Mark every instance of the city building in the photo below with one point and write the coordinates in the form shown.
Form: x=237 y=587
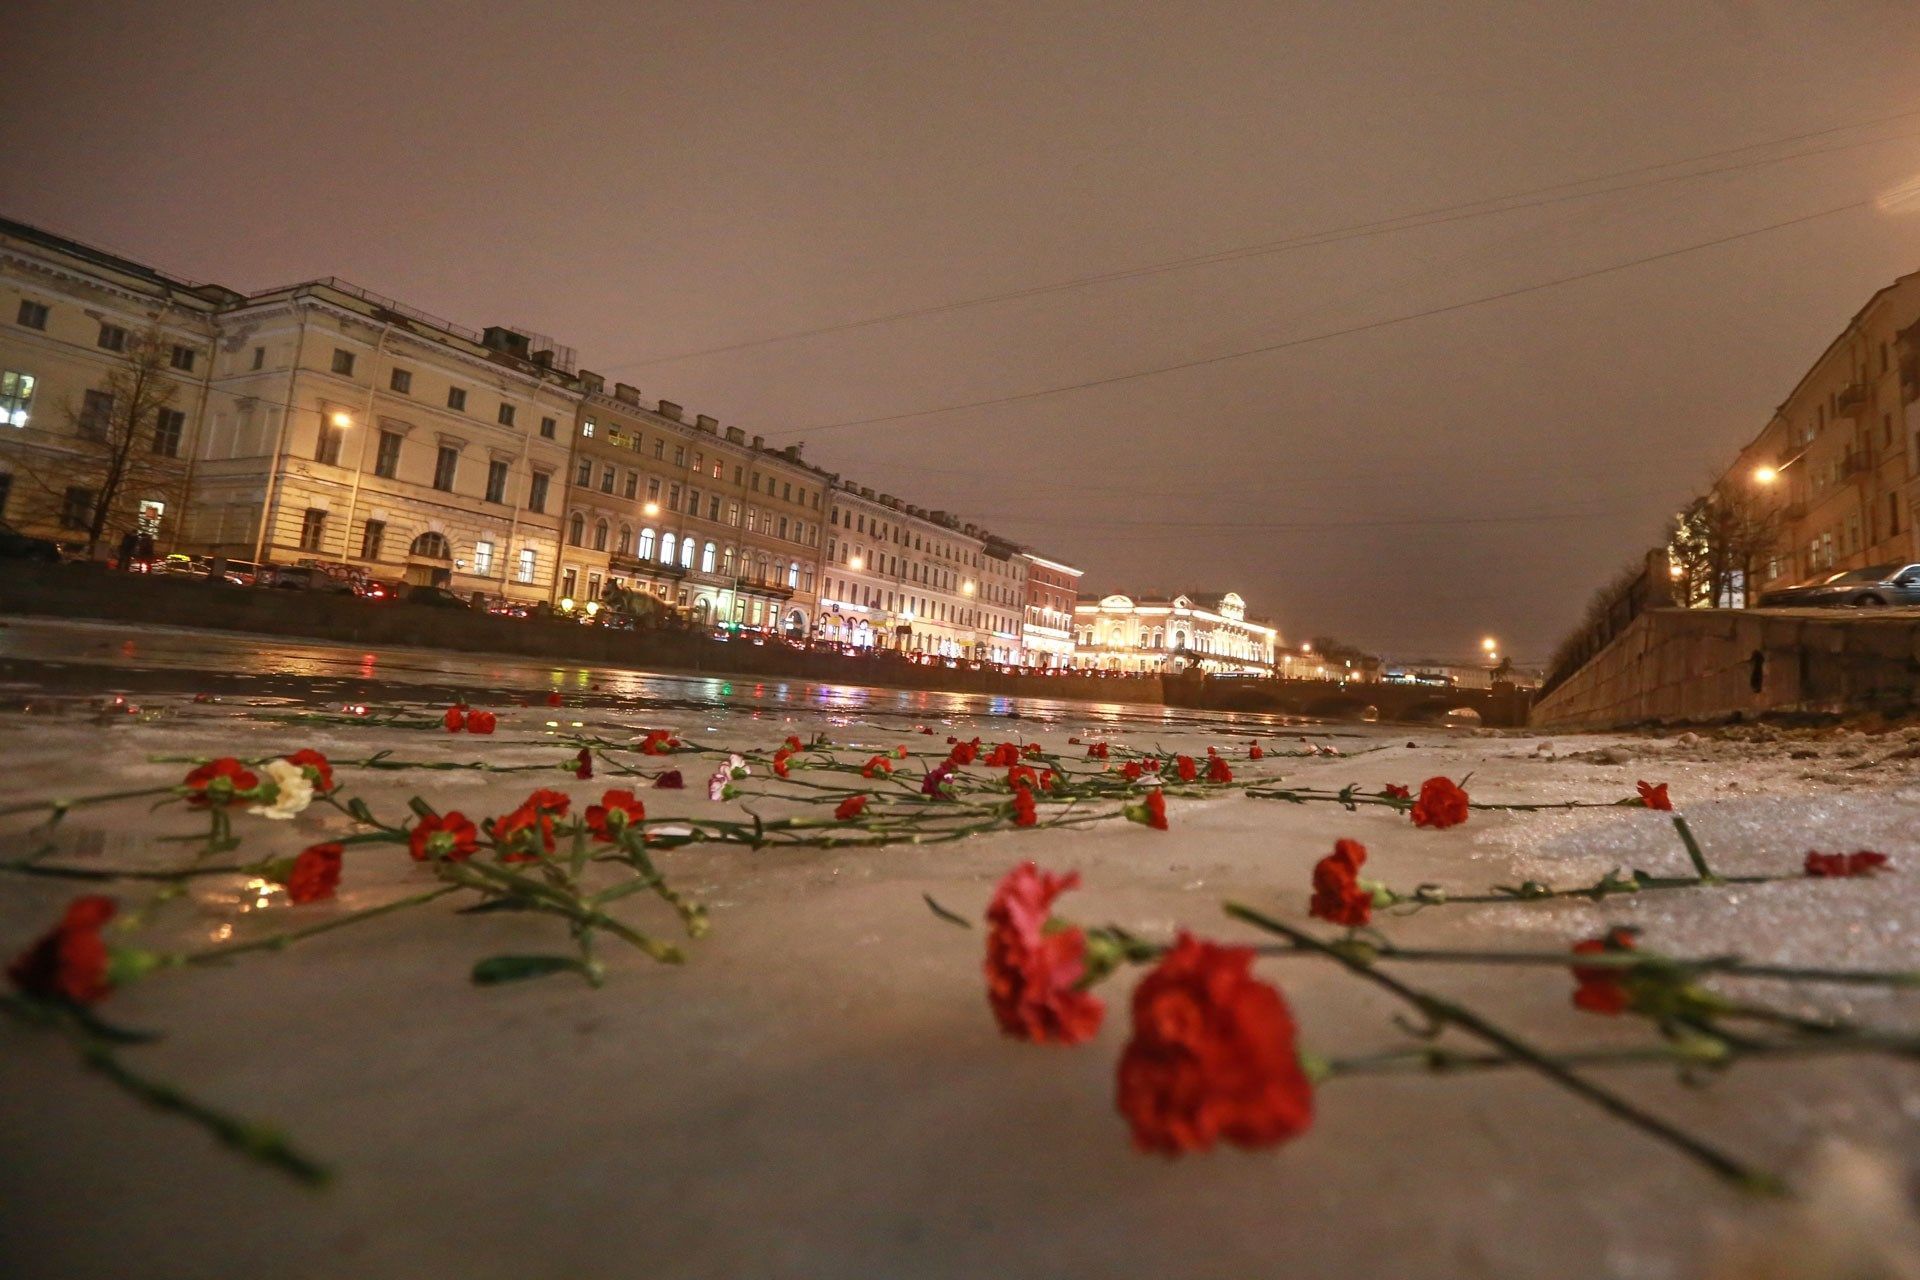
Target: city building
x=1832 y=475
x=717 y=527
x=1165 y=634
x=1000 y=628
x=900 y=577
x=104 y=368
x=348 y=429
x=1046 y=628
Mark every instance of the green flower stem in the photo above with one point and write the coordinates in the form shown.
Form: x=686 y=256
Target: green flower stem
x=1606 y=887
x=81 y=802
x=1702 y=1052
x=27 y=867
x=497 y=881
x=1694 y=854
x=281 y=941
x=1443 y=1012
x=256 y=1141
x=1303 y=795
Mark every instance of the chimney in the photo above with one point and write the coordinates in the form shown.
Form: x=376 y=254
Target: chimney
x=626 y=394
x=543 y=359
x=709 y=425
x=759 y=442
x=668 y=409
x=592 y=382
x=735 y=435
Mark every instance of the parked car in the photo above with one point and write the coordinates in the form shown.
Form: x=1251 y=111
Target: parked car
x=436 y=598
x=15 y=545
x=1872 y=587
x=303 y=578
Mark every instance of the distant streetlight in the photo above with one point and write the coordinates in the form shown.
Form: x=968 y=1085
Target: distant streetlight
x=1765 y=475
x=1488 y=644
x=966 y=587
x=342 y=420
x=651 y=509
x=858 y=563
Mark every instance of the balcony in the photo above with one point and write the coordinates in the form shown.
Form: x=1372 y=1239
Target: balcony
x=1852 y=399
x=1857 y=463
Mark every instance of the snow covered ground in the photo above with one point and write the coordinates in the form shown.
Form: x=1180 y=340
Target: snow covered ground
x=820 y=1090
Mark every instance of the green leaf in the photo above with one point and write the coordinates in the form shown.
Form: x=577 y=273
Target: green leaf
x=951 y=917
x=498 y=969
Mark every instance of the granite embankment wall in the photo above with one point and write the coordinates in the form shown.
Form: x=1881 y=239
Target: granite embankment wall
x=1702 y=665
x=71 y=591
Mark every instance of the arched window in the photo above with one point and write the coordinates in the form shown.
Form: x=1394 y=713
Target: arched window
x=646 y=545
x=686 y=552
x=760 y=569
x=706 y=558
x=626 y=539
x=726 y=562
x=1159 y=637
x=577 y=529
x=600 y=535
x=431 y=546
x=668 y=544
x=793 y=574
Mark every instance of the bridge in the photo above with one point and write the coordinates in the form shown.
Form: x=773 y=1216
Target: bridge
x=1502 y=706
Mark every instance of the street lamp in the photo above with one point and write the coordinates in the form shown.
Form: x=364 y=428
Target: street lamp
x=1765 y=475
x=342 y=420
x=857 y=564
x=1488 y=644
x=650 y=509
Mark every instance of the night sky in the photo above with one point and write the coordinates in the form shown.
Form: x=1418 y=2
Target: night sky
x=646 y=182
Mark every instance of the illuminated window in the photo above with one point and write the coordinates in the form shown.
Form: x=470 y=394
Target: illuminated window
x=483 y=558
x=645 y=548
x=707 y=558
x=16 y=398
x=528 y=560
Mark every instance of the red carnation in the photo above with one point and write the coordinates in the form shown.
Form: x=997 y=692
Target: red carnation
x=317 y=768
x=455 y=719
x=877 y=767
x=616 y=809
x=1846 y=864
x=793 y=742
x=1022 y=775
x=1024 y=812
x=1602 y=990
x=850 y=808
x=1337 y=895
x=219 y=783
x=1152 y=810
x=1394 y=791
x=780 y=765
x=1131 y=771
x=315 y=873
x=1003 y=755
x=1254 y=752
x=554 y=699
x=1441 y=804
x=1035 y=964
x=671 y=781
x=1186 y=768
x=448 y=836
x=1654 y=797
x=1218 y=770
x=1212 y=1056
x=1096 y=751
x=964 y=752
x=71 y=961
x=481 y=721
x=583 y=764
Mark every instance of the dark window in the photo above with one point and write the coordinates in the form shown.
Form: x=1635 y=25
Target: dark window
x=606 y=479
x=457 y=398
x=332 y=436
x=182 y=358
x=6 y=490
x=33 y=315
x=713 y=507
x=312 y=529
x=401 y=380
x=167 y=426
x=496 y=482
x=113 y=337
x=506 y=415
x=537 y=492
x=548 y=427
x=96 y=411
x=583 y=475
x=577 y=529
x=633 y=484
x=386 y=462
x=76 y=508
x=259 y=356
x=372 y=534
x=343 y=362
x=443 y=467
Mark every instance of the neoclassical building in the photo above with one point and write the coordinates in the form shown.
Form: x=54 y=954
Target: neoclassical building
x=710 y=523
x=1154 y=634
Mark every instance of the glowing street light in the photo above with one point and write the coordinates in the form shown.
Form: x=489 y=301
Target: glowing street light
x=858 y=564
x=1489 y=644
x=342 y=420
x=1765 y=475
x=651 y=509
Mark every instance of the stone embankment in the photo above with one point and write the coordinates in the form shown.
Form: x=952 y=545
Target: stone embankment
x=1675 y=666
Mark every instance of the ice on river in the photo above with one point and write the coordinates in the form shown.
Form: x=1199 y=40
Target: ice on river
x=820 y=1091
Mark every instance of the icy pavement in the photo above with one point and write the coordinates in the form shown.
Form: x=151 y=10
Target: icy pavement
x=820 y=1091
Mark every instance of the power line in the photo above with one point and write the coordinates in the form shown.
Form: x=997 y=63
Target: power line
x=1436 y=216
x=1398 y=522
x=1330 y=334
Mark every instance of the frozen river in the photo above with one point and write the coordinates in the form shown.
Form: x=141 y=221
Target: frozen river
x=820 y=1090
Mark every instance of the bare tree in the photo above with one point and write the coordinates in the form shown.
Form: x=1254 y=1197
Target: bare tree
x=123 y=447
x=1715 y=542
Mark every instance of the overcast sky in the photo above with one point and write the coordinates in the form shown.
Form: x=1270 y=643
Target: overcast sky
x=647 y=180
